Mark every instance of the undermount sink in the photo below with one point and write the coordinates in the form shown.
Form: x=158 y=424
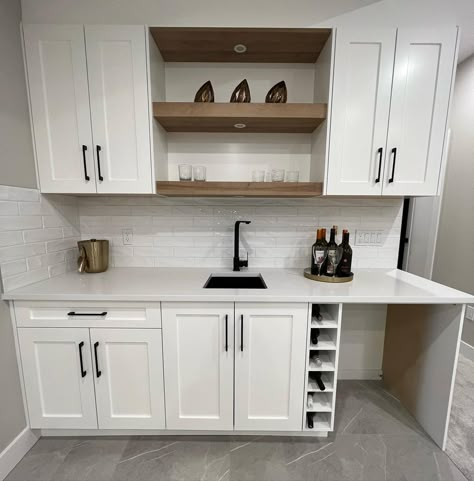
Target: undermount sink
x=235 y=281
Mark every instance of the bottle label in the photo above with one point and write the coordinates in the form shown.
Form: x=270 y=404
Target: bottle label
x=319 y=255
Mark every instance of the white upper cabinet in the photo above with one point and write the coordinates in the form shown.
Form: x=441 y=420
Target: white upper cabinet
x=59 y=99
x=59 y=382
x=90 y=108
x=117 y=66
x=198 y=354
x=389 y=111
x=128 y=370
x=269 y=366
x=360 y=111
x=422 y=78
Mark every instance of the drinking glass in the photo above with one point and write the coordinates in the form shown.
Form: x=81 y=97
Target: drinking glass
x=337 y=259
x=258 y=176
x=319 y=258
x=293 y=176
x=199 y=173
x=185 y=172
x=278 y=175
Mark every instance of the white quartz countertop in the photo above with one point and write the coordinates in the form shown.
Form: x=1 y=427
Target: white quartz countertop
x=283 y=285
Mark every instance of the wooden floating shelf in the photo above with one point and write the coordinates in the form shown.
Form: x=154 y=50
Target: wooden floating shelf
x=222 y=117
x=264 y=45
x=240 y=189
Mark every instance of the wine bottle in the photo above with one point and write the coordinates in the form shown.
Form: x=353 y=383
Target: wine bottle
x=345 y=264
x=316 y=312
x=318 y=253
x=332 y=254
x=310 y=402
x=324 y=243
x=315 y=332
x=309 y=417
x=316 y=359
x=319 y=381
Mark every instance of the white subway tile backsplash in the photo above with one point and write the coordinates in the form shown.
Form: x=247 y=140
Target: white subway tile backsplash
x=29 y=224
x=61 y=244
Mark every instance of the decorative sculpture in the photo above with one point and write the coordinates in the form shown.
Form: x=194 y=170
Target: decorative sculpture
x=277 y=94
x=241 y=93
x=205 y=93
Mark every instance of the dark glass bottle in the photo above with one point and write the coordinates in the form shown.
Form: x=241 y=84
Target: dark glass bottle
x=332 y=254
x=309 y=417
x=324 y=242
x=319 y=381
x=318 y=253
x=345 y=264
x=314 y=336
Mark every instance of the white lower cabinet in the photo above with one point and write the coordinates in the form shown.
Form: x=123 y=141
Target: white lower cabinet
x=202 y=350
x=80 y=378
x=269 y=366
x=59 y=390
x=128 y=378
x=198 y=348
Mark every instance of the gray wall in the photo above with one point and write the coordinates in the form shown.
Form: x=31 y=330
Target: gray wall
x=454 y=258
x=16 y=154
x=16 y=168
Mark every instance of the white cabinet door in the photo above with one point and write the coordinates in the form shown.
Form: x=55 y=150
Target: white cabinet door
x=59 y=98
x=128 y=369
x=198 y=347
x=117 y=66
x=269 y=366
x=59 y=390
x=423 y=73
x=360 y=110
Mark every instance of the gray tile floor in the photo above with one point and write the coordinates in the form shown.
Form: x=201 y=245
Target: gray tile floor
x=374 y=440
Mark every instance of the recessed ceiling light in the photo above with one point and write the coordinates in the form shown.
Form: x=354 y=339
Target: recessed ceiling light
x=240 y=126
x=240 y=48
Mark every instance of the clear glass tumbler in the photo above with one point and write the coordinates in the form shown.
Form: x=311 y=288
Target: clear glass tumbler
x=185 y=172
x=278 y=175
x=199 y=173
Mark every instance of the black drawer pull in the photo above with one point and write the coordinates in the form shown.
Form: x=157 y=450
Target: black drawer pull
x=226 y=333
x=380 y=154
x=98 y=150
x=86 y=176
x=83 y=371
x=241 y=332
x=394 y=154
x=98 y=372
x=97 y=314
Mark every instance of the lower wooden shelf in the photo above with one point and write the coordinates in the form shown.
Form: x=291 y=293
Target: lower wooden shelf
x=240 y=189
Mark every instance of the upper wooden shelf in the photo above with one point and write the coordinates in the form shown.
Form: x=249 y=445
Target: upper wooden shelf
x=239 y=189
x=264 y=45
x=222 y=117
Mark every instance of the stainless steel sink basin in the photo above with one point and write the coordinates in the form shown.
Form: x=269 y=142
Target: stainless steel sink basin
x=235 y=281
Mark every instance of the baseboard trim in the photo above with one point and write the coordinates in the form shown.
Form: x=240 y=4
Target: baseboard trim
x=16 y=450
x=360 y=374
x=467 y=350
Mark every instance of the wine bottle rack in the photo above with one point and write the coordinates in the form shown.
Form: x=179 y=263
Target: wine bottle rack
x=323 y=403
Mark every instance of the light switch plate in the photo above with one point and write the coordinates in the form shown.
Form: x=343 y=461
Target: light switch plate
x=470 y=313
x=369 y=237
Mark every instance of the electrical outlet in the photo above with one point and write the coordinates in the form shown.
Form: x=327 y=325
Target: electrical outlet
x=127 y=237
x=470 y=313
x=368 y=237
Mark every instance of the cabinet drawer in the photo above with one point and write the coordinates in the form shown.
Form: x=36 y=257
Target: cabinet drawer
x=87 y=314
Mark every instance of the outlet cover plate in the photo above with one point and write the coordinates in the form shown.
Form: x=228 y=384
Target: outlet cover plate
x=373 y=237
x=127 y=237
x=470 y=313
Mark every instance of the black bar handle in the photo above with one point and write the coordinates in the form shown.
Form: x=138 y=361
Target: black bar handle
x=98 y=372
x=394 y=153
x=99 y=314
x=98 y=150
x=83 y=371
x=226 y=333
x=84 y=149
x=380 y=154
x=241 y=332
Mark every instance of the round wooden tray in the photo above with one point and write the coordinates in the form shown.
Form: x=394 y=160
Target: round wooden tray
x=334 y=280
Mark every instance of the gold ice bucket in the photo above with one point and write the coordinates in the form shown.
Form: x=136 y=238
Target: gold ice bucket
x=93 y=255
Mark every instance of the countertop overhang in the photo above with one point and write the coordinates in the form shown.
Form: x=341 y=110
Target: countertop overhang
x=143 y=284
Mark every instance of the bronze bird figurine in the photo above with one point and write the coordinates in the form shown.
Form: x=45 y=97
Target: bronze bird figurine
x=205 y=93
x=277 y=94
x=241 y=93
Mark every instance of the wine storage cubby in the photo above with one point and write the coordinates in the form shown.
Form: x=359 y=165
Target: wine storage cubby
x=321 y=367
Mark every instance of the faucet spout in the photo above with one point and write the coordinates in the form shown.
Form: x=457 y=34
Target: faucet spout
x=237 y=262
